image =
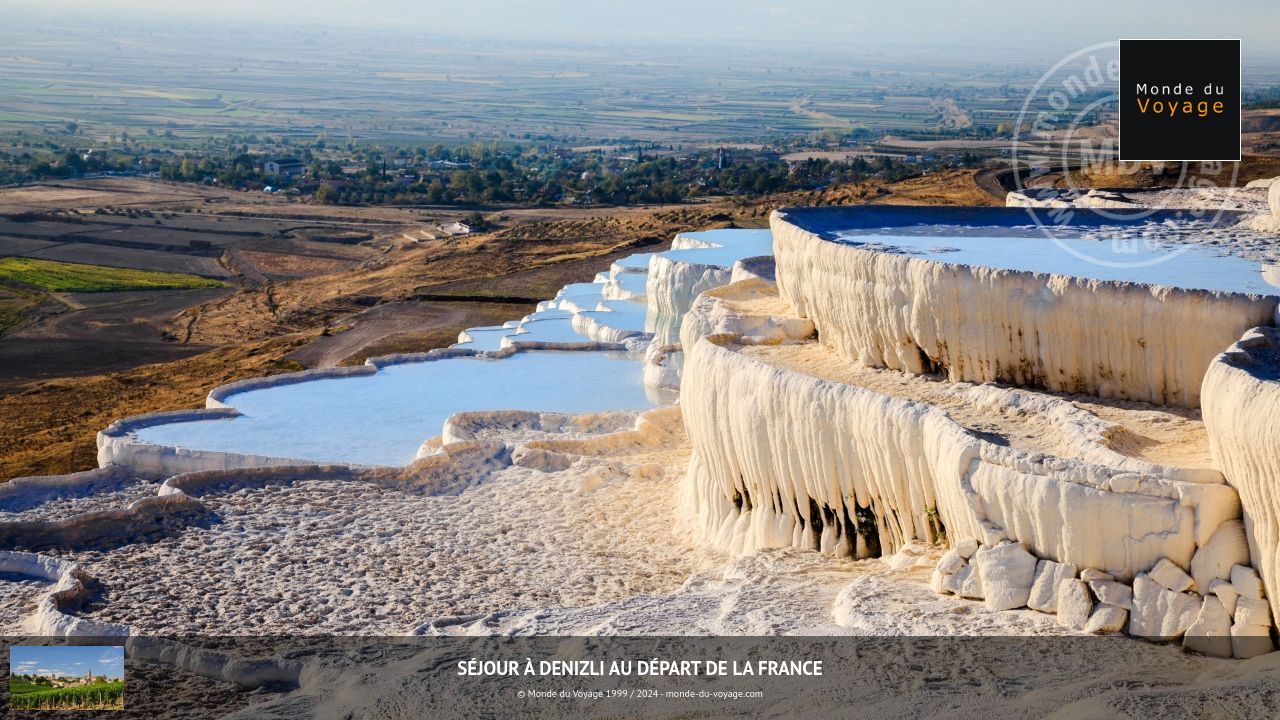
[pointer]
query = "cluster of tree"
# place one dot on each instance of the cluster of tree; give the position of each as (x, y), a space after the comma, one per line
(1262, 98)
(48, 681)
(475, 174)
(597, 178)
(69, 163)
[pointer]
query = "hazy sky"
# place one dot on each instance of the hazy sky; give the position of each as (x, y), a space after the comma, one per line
(1050, 26)
(67, 660)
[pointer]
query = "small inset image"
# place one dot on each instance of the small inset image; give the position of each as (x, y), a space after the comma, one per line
(66, 677)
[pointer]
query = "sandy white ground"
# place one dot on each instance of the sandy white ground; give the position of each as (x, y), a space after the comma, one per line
(590, 548)
(19, 595)
(331, 556)
(783, 591)
(59, 507)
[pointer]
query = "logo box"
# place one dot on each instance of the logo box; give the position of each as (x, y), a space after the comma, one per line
(1180, 100)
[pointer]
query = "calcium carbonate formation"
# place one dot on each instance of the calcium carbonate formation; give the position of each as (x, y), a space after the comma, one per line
(146, 489)
(847, 398)
(787, 455)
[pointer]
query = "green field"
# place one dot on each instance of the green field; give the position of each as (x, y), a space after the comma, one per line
(100, 696)
(73, 277)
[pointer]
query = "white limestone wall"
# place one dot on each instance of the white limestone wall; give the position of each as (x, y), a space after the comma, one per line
(786, 459)
(664, 356)
(673, 285)
(662, 364)
(671, 288)
(1109, 339)
(760, 267)
(594, 324)
(1241, 407)
(767, 473)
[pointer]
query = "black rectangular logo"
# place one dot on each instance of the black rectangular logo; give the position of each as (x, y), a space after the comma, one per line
(1180, 100)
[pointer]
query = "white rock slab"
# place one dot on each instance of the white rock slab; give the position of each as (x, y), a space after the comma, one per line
(1226, 592)
(1249, 641)
(1170, 576)
(1075, 604)
(1159, 613)
(1091, 574)
(1007, 572)
(909, 555)
(1246, 582)
(1107, 619)
(1252, 611)
(937, 583)
(970, 583)
(951, 562)
(1110, 592)
(1211, 632)
(1225, 548)
(967, 548)
(1044, 588)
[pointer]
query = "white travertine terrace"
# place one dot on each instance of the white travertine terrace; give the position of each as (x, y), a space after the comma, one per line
(979, 324)
(843, 462)
(22, 492)
(673, 287)
(785, 458)
(697, 262)
(1242, 415)
(608, 314)
(123, 442)
(640, 297)
(612, 321)
(663, 361)
(747, 311)
(794, 440)
(710, 259)
(117, 445)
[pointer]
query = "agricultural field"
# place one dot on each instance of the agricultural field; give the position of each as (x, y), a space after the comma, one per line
(103, 275)
(396, 87)
(15, 303)
(77, 277)
(99, 696)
